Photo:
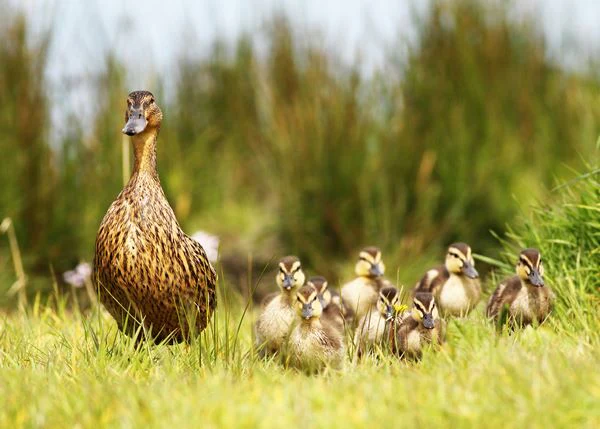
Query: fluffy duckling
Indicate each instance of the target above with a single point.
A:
(422, 327)
(314, 344)
(361, 294)
(278, 312)
(333, 312)
(455, 286)
(525, 295)
(146, 269)
(372, 327)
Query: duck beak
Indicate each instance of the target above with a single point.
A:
(375, 270)
(288, 282)
(136, 123)
(535, 278)
(389, 312)
(428, 321)
(469, 270)
(307, 311)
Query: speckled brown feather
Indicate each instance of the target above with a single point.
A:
(433, 286)
(145, 267)
(540, 301)
(505, 293)
(399, 332)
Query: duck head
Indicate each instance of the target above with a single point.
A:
(424, 309)
(369, 263)
(290, 275)
(142, 113)
(530, 268)
(388, 299)
(308, 304)
(320, 284)
(459, 260)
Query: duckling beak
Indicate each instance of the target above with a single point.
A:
(428, 321)
(307, 311)
(288, 282)
(535, 278)
(389, 312)
(136, 123)
(469, 270)
(375, 270)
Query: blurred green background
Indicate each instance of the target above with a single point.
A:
(291, 150)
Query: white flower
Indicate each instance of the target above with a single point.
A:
(79, 275)
(209, 242)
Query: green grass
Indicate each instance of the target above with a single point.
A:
(60, 367)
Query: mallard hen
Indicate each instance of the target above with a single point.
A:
(147, 271)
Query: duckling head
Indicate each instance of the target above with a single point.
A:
(308, 304)
(290, 276)
(459, 260)
(369, 263)
(530, 268)
(142, 113)
(388, 299)
(424, 309)
(320, 284)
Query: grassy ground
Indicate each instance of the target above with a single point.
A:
(62, 368)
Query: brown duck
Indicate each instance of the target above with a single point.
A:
(525, 296)
(146, 270)
(419, 328)
(455, 285)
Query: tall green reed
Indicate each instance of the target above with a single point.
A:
(291, 150)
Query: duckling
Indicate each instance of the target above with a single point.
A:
(372, 327)
(361, 293)
(333, 311)
(278, 312)
(314, 344)
(147, 271)
(422, 327)
(455, 286)
(525, 295)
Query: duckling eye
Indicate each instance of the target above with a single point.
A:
(151, 100)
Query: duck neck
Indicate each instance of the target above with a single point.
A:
(144, 150)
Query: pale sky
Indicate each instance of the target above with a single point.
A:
(149, 35)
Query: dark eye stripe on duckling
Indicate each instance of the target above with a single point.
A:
(307, 294)
(290, 263)
(530, 257)
(460, 250)
(319, 283)
(369, 254)
(424, 302)
(388, 294)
